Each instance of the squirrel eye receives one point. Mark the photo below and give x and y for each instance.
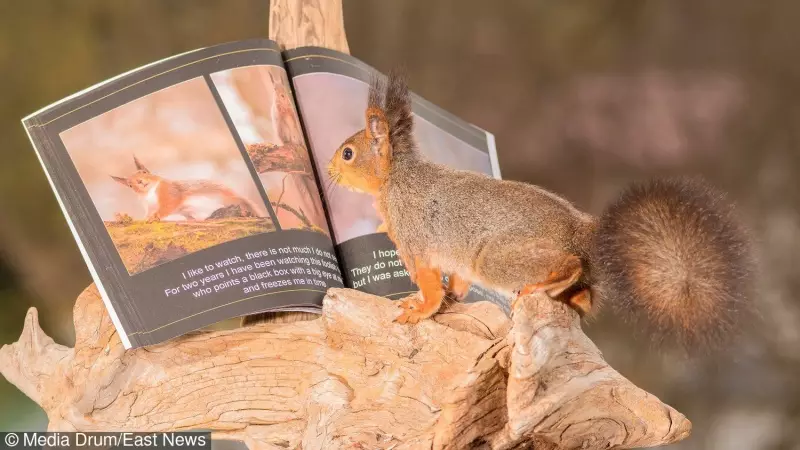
(347, 154)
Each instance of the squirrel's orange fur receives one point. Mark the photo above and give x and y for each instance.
(667, 251)
(192, 199)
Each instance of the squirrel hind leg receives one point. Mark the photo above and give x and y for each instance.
(458, 286)
(581, 301)
(526, 266)
(565, 275)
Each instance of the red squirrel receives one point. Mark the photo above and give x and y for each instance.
(667, 252)
(192, 199)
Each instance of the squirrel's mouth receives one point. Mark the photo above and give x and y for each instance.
(334, 176)
(334, 179)
(355, 189)
(332, 172)
(344, 180)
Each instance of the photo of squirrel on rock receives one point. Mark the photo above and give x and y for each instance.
(667, 253)
(166, 176)
(180, 216)
(163, 198)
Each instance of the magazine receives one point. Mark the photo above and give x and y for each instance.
(196, 186)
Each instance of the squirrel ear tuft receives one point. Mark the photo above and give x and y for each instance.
(139, 165)
(377, 127)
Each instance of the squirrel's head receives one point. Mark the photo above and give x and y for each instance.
(140, 181)
(363, 161)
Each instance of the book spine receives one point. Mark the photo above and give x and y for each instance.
(311, 157)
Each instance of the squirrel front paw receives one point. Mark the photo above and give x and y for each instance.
(382, 228)
(415, 310)
(412, 312)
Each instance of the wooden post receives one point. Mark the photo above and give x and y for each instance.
(299, 23)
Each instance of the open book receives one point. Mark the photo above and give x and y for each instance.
(196, 186)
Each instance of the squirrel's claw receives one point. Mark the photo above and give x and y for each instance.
(413, 312)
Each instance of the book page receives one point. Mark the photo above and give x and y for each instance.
(191, 192)
(331, 90)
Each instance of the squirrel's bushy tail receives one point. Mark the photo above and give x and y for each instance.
(668, 254)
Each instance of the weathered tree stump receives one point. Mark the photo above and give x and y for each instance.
(469, 378)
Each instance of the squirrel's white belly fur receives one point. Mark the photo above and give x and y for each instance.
(195, 206)
(150, 200)
(202, 206)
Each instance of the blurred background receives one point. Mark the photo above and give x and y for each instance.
(583, 97)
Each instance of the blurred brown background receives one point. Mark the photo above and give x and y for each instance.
(583, 97)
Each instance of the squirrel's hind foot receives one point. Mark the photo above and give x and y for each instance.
(559, 280)
(581, 301)
(458, 287)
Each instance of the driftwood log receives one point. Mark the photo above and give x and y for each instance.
(469, 378)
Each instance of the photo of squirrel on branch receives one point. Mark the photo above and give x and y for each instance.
(259, 100)
(667, 253)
